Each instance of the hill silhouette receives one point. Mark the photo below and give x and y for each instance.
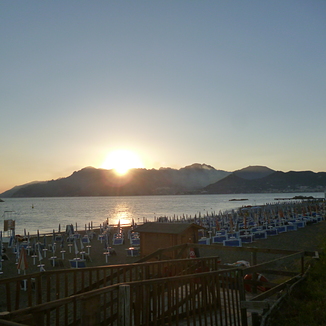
(100, 182)
(192, 179)
(262, 180)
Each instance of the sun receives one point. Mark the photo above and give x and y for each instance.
(122, 161)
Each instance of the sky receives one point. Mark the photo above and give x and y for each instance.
(225, 83)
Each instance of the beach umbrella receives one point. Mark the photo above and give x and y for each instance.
(76, 247)
(38, 235)
(62, 242)
(22, 261)
(81, 243)
(40, 257)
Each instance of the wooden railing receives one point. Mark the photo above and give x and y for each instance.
(177, 292)
(34, 289)
(211, 296)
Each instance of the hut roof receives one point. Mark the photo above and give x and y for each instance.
(171, 228)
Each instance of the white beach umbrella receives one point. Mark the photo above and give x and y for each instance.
(76, 247)
(40, 257)
(22, 261)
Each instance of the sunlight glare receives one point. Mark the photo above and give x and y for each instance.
(122, 161)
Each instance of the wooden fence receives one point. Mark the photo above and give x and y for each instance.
(182, 292)
(34, 289)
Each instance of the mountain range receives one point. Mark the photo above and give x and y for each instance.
(193, 179)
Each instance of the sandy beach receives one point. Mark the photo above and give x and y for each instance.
(309, 238)
(94, 254)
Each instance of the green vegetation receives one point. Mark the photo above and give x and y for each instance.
(307, 302)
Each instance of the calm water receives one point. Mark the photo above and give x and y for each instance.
(45, 214)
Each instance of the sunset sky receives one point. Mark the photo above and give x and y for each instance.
(226, 83)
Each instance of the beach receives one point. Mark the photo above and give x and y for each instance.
(93, 252)
(309, 238)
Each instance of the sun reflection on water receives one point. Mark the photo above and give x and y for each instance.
(121, 214)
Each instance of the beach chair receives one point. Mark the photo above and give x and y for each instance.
(134, 241)
(85, 239)
(232, 235)
(281, 228)
(300, 224)
(77, 263)
(260, 235)
(117, 241)
(221, 232)
(291, 227)
(205, 241)
(133, 252)
(233, 242)
(247, 238)
(271, 232)
(219, 239)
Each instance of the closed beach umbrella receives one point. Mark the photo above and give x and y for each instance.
(62, 245)
(22, 261)
(40, 257)
(76, 247)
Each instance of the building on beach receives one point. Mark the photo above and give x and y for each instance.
(155, 235)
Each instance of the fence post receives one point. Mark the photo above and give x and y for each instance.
(124, 305)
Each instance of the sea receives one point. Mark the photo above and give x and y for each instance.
(44, 215)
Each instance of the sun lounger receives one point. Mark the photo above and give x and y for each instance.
(232, 242)
(135, 241)
(291, 227)
(77, 263)
(248, 238)
(133, 252)
(118, 241)
(219, 239)
(271, 232)
(232, 235)
(205, 241)
(85, 239)
(260, 235)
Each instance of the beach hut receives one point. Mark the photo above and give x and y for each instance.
(156, 235)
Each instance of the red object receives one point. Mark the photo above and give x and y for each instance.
(192, 253)
(260, 278)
